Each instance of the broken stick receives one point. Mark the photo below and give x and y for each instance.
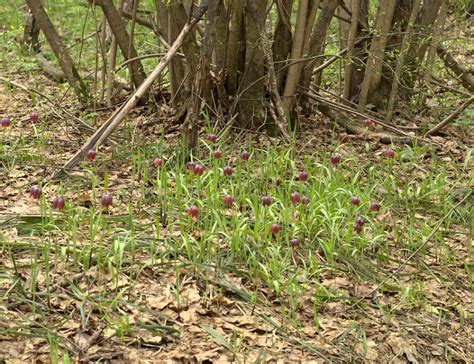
(450, 118)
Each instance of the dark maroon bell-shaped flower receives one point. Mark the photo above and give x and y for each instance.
(375, 206)
(34, 117)
(5, 122)
(58, 203)
(358, 228)
(193, 212)
(369, 123)
(359, 224)
(275, 229)
(212, 137)
(303, 176)
(389, 154)
(106, 200)
(228, 200)
(305, 200)
(91, 154)
(35, 192)
(278, 181)
(245, 155)
(360, 220)
(157, 162)
(295, 198)
(228, 171)
(217, 154)
(266, 200)
(355, 200)
(294, 242)
(335, 159)
(198, 169)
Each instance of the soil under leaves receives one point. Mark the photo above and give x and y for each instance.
(94, 315)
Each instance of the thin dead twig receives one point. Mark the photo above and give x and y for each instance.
(357, 130)
(451, 117)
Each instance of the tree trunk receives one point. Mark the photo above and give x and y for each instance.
(431, 56)
(406, 43)
(172, 16)
(282, 41)
(316, 48)
(117, 27)
(422, 37)
(250, 97)
(235, 62)
(31, 33)
(353, 32)
(358, 58)
(201, 81)
(373, 70)
(295, 57)
(64, 59)
(222, 37)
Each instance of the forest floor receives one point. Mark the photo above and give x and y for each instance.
(67, 303)
(142, 281)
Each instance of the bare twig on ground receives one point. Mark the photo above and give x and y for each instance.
(55, 73)
(352, 128)
(465, 78)
(451, 117)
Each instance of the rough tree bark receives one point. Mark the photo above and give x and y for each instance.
(405, 46)
(111, 63)
(251, 88)
(282, 41)
(421, 39)
(235, 59)
(353, 32)
(31, 45)
(222, 38)
(435, 39)
(31, 32)
(65, 61)
(172, 16)
(354, 75)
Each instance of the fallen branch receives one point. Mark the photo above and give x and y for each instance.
(106, 129)
(352, 128)
(464, 77)
(451, 117)
(48, 68)
(327, 106)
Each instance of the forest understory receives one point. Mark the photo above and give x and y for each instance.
(348, 238)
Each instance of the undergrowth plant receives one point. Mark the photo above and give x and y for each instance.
(266, 215)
